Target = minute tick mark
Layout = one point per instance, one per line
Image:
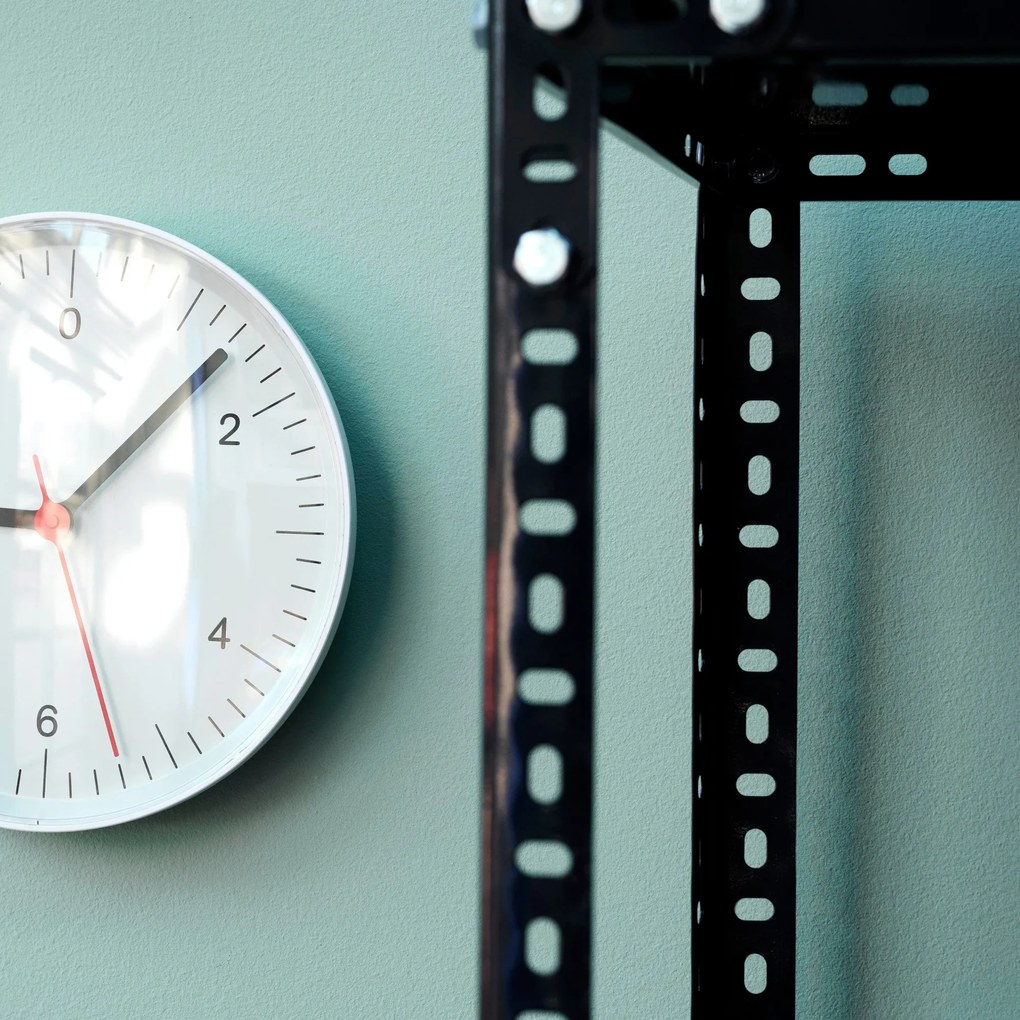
(293, 423)
(21, 262)
(285, 641)
(147, 770)
(166, 745)
(123, 783)
(306, 506)
(74, 251)
(194, 741)
(301, 559)
(304, 449)
(259, 657)
(300, 532)
(70, 796)
(253, 353)
(238, 333)
(124, 270)
(17, 785)
(45, 763)
(306, 478)
(190, 308)
(301, 587)
(173, 286)
(271, 374)
(253, 687)
(47, 262)
(269, 407)
(217, 315)
(95, 779)
(215, 726)
(236, 709)
(297, 616)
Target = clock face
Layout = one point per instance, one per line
(176, 520)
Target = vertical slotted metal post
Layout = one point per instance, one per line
(745, 599)
(538, 663)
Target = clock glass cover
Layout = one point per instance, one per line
(176, 520)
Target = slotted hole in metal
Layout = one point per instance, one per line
(760, 228)
(909, 95)
(759, 412)
(757, 660)
(545, 686)
(754, 908)
(758, 536)
(756, 724)
(756, 848)
(544, 858)
(549, 346)
(756, 784)
(548, 517)
(759, 474)
(839, 93)
(755, 973)
(908, 164)
(837, 164)
(759, 599)
(545, 603)
(550, 102)
(761, 351)
(760, 288)
(542, 945)
(548, 433)
(549, 171)
(545, 774)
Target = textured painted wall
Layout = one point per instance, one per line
(336, 158)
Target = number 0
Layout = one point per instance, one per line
(72, 315)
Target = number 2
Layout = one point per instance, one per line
(225, 440)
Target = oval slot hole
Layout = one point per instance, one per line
(545, 686)
(542, 945)
(754, 908)
(756, 724)
(757, 660)
(756, 848)
(548, 517)
(545, 774)
(839, 93)
(549, 346)
(759, 412)
(755, 784)
(544, 858)
(759, 599)
(847, 164)
(758, 536)
(760, 228)
(760, 288)
(548, 433)
(759, 474)
(545, 603)
(755, 973)
(549, 171)
(909, 95)
(547, 100)
(908, 164)
(761, 352)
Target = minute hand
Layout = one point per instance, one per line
(179, 396)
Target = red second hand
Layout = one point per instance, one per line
(51, 521)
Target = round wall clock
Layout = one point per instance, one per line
(176, 525)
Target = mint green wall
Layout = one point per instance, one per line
(335, 158)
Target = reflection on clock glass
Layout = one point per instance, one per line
(176, 520)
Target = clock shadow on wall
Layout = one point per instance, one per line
(277, 773)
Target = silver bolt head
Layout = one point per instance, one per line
(554, 15)
(542, 256)
(737, 16)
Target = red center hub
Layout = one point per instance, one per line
(52, 520)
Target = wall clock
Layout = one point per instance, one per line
(176, 526)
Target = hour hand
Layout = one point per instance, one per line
(16, 518)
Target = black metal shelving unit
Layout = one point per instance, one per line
(813, 102)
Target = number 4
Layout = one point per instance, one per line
(219, 633)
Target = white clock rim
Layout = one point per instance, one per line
(246, 745)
